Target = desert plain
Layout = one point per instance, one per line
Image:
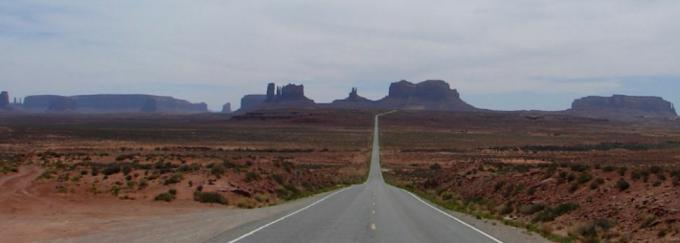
(570, 179)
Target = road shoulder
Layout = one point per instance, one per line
(195, 227)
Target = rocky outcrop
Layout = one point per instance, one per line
(353, 100)
(426, 95)
(289, 96)
(623, 107)
(272, 92)
(291, 93)
(4, 99)
(252, 101)
(226, 108)
(111, 103)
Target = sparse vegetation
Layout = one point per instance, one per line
(166, 196)
(550, 213)
(596, 183)
(209, 197)
(251, 176)
(622, 184)
(173, 179)
(452, 160)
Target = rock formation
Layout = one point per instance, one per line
(289, 96)
(41, 102)
(353, 100)
(623, 107)
(426, 95)
(252, 101)
(111, 103)
(226, 108)
(4, 99)
(272, 92)
(290, 93)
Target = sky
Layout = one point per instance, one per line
(499, 54)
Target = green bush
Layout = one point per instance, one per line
(590, 231)
(174, 179)
(622, 184)
(111, 169)
(229, 164)
(531, 208)
(584, 177)
(126, 169)
(143, 183)
(251, 176)
(531, 191)
(498, 186)
(166, 196)
(209, 197)
(574, 187)
(579, 167)
(596, 183)
(277, 178)
(549, 214)
(288, 192)
(217, 169)
(505, 209)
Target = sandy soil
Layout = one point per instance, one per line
(27, 215)
(199, 225)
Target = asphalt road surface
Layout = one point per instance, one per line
(370, 212)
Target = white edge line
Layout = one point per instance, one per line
(284, 217)
(454, 218)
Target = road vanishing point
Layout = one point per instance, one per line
(370, 212)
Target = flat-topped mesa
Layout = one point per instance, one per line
(623, 107)
(111, 103)
(252, 101)
(435, 90)
(426, 95)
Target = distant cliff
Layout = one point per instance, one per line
(288, 95)
(623, 107)
(426, 95)
(252, 101)
(110, 103)
(4, 99)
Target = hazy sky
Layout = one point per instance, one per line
(499, 54)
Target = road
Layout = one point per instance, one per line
(370, 212)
